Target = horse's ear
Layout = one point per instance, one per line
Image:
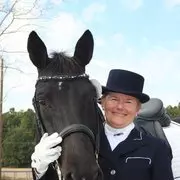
(37, 51)
(84, 48)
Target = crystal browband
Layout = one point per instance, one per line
(63, 77)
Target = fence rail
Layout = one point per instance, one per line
(16, 174)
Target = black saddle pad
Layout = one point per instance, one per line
(152, 117)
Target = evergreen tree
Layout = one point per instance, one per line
(18, 138)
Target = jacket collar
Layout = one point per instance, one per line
(111, 131)
(135, 140)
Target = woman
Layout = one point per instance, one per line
(125, 153)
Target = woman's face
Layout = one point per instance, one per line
(120, 109)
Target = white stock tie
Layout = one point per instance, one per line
(116, 136)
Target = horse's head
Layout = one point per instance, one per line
(65, 102)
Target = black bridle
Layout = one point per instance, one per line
(73, 128)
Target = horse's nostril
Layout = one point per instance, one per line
(95, 177)
(70, 176)
(92, 173)
(99, 175)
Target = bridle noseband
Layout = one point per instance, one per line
(73, 128)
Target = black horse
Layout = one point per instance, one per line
(65, 102)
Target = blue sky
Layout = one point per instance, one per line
(138, 35)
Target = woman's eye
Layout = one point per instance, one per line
(113, 99)
(128, 102)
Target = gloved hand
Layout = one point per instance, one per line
(45, 152)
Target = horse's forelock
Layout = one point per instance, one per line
(61, 63)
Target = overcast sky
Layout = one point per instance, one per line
(138, 35)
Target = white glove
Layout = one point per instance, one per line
(45, 152)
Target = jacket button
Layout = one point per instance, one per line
(113, 172)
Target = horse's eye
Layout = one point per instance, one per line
(42, 102)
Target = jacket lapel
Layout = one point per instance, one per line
(105, 148)
(134, 141)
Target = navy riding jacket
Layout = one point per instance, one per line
(139, 157)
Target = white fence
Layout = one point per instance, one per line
(16, 174)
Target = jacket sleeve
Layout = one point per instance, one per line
(161, 165)
(51, 173)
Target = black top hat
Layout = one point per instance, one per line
(126, 82)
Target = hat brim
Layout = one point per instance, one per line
(141, 96)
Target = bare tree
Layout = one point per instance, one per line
(16, 16)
